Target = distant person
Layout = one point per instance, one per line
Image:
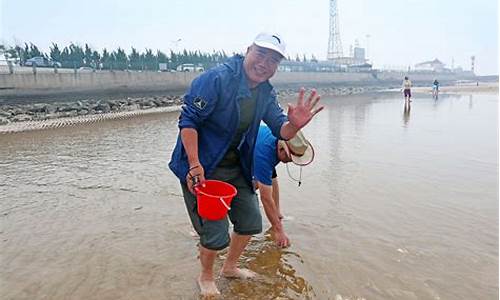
(269, 152)
(406, 87)
(218, 127)
(435, 89)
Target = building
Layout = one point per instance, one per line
(433, 65)
(366, 67)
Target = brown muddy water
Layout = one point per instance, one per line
(397, 205)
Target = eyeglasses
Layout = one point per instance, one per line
(267, 55)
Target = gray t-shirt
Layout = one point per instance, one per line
(247, 113)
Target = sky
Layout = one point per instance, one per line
(397, 33)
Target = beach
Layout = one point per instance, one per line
(472, 87)
(397, 205)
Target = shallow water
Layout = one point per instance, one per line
(398, 204)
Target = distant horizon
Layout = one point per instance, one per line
(395, 34)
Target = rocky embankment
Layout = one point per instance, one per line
(68, 109)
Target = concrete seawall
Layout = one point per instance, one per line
(12, 85)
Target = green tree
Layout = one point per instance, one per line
(87, 56)
(20, 53)
(27, 54)
(55, 53)
(34, 51)
(96, 60)
(161, 57)
(121, 61)
(65, 58)
(76, 55)
(150, 60)
(106, 60)
(134, 59)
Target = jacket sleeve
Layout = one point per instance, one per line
(200, 100)
(274, 116)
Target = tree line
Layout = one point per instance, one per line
(76, 56)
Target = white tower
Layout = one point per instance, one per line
(334, 42)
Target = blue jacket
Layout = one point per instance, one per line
(211, 106)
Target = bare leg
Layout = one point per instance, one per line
(206, 279)
(230, 269)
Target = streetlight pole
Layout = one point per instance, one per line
(176, 44)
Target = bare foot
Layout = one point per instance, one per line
(207, 287)
(238, 273)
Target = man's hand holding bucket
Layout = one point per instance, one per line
(195, 176)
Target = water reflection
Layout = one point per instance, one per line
(277, 274)
(406, 114)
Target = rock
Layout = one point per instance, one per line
(22, 118)
(64, 108)
(50, 109)
(4, 120)
(103, 107)
(37, 108)
(133, 107)
(17, 111)
(71, 113)
(83, 112)
(5, 114)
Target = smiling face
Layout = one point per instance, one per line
(260, 64)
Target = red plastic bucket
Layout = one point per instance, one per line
(214, 199)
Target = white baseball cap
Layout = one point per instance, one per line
(271, 41)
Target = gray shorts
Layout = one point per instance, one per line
(244, 213)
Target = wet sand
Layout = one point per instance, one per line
(483, 87)
(397, 205)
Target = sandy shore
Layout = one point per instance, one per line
(482, 87)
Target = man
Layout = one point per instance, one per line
(269, 151)
(218, 126)
(406, 87)
(435, 89)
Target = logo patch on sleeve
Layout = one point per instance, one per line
(199, 102)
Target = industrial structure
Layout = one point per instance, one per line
(357, 55)
(334, 41)
(356, 60)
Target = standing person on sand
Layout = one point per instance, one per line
(269, 151)
(406, 87)
(218, 126)
(435, 89)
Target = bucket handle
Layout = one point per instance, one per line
(224, 203)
